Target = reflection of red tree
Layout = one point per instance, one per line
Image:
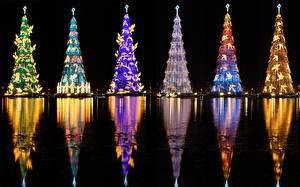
(176, 114)
(126, 112)
(226, 113)
(73, 114)
(278, 118)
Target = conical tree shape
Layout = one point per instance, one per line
(278, 79)
(226, 113)
(73, 114)
(126, 112)
(176, 114)
(24, 115)
(176, 75)
(73, 79)
(227, 77)
(278, 115)
(25, 78)
(127, 76)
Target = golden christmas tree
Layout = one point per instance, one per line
(278, 80)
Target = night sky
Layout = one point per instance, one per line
(98, 25)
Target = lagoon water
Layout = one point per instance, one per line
(149, 141)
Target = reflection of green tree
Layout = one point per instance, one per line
(278, 118)
(24, 115)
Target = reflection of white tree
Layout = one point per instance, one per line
(278, 118)
(176, 114)
(73, 114)
(226, 113)
(24, 115)
(126, 112)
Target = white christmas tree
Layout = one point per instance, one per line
(176, 75)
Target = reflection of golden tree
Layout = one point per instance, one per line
(24, 115)
(73, 114)
(176, 114)
(226, 113)
(126, 112)
(278, 118)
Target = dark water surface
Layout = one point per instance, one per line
(148, 141)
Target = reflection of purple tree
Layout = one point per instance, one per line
(126, 112)
(176, 114)
(226, 113)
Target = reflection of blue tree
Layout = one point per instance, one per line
(126, 112)
(73, 114)
(226, 113)
(176, 114)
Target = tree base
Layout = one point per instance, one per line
(179, 95)
(227, 95)
(74, 95)
(264, 95)
(25, 95)
(122, 94)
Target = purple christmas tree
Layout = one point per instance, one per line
(127, 77)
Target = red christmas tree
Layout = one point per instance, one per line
(227, 77)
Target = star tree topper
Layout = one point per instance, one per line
(73, 11)
(177, 9)
(24, 9)
(279, 7)
(227, 7)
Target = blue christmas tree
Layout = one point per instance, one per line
(127, 77)
(73, 79)
(227, 77)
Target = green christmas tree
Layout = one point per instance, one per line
(25, 78)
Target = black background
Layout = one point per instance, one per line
(100, 21)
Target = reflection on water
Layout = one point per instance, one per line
(72, 115)
(226, 112)
(126, 112)
(176, 114)
(278, 117)
(24, 115)
(297, 108)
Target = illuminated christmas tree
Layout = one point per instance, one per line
(176, 75)
(227, 77)
(126, 78)
(73, 79)
(25, 78)
(278, 79)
